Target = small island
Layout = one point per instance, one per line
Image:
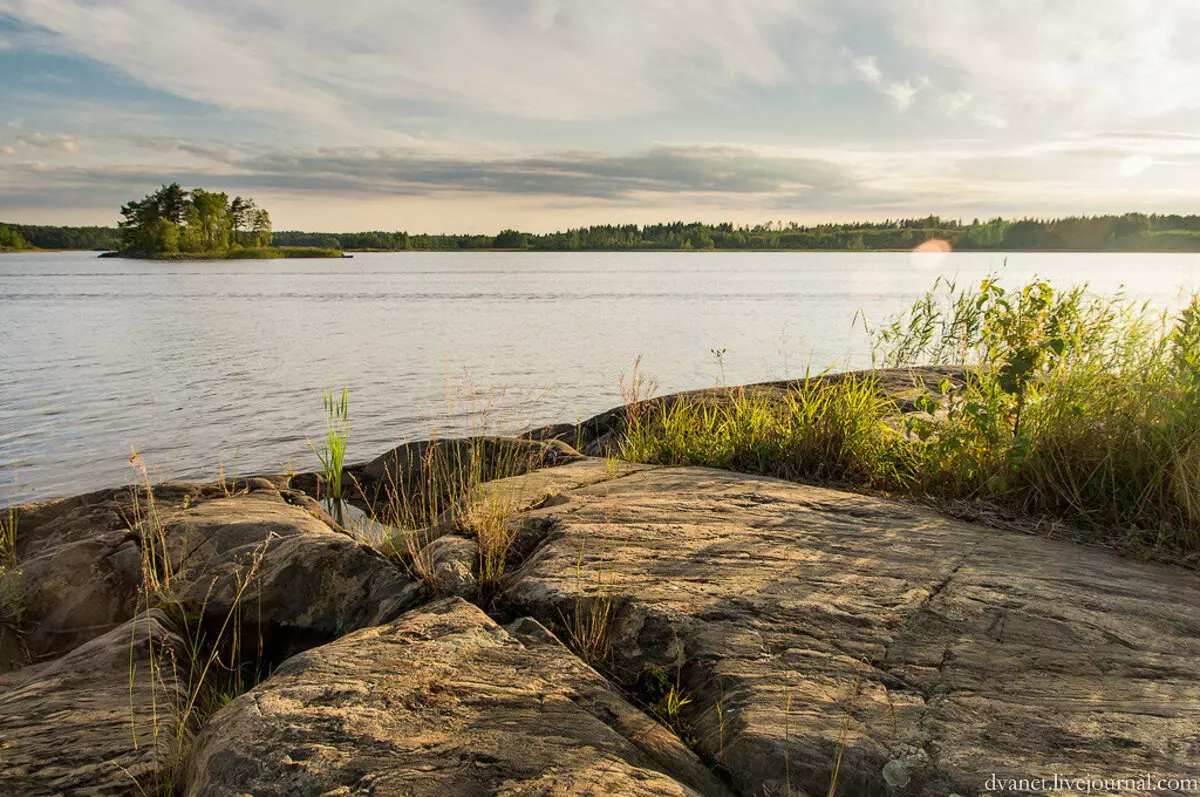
(176, 224)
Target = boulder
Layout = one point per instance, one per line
(448, 564)
(441, 702)
(82, 561)
(79, 565)
(826, 637)
(297, 583)
(101, 720)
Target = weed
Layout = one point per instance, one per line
(590, 626)
(637, 390)
(228, 484)
(337, 435)
(489, 517)
(1081, 408)
(719, 355)
(841, 745)
(827, 431)
(12, 588)
(144, 519)
(215, 664)
(666, 697)
(8, 539)
(435, 487)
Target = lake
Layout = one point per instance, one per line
(206, 364)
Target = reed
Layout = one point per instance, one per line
(337, 436)
(1081, 408)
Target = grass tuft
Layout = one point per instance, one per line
(337, 436)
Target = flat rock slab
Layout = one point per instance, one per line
(823, 634)
(441, 702)
(101, 720)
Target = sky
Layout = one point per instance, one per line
(477, 115)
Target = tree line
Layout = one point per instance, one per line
(1130, 231)
(171, 220)
(215, 221)
(11, 240)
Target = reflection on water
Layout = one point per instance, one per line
(362, 526)
(201, 364)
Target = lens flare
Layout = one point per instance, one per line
(934, 246)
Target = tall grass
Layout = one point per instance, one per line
(817, 431)
(337, 436)
(440, 487)
(1081, 407)
(8, 540)
(214, 666)
(12, 588)
(1076, 407)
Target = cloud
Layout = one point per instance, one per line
(1004, 104)
(1123, 59)
(1070, 175)
(554, 59)
(659, 170)
(1136, 165)
(39, 140)
(903, 94)
(952, 102)
(666, 175)
(8, 150)
(868, 70)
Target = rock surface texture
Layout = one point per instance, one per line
(823, 634)
(299, 583)
(797, 640)
(100, 720)
(80, 566)
(442, 702)
(82, 563)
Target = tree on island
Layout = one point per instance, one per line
(171, 220)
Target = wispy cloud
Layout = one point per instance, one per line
(868, 70)
(716, 169)
(904, 94)
(868, 106)
(1124, 59)
(556, 59)
(39, 140)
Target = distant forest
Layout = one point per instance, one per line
(1137, 232)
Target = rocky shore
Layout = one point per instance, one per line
(652, 631)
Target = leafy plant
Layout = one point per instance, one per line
(337, 435)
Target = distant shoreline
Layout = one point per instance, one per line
(259, 253)
(652, 249)
(1126, 233)
(282, 252)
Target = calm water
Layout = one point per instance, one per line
(193, 363)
